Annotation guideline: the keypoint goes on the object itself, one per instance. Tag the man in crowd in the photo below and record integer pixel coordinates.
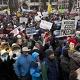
(22, 65)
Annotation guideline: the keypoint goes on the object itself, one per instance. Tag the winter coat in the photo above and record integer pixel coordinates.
(65, 64)
(44, 71)
(6, 70)
(34, 69)
(22, 65)
(65, 67)
(52, 69)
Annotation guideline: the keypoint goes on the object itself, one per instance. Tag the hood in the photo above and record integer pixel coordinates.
(35, 56)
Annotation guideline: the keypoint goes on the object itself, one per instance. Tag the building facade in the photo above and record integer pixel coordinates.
(63, 4)
(3, 3)
(37, 3)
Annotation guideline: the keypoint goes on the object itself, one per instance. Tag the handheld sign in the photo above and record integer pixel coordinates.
(68, 27)
(15, 31)
(23, 19)
(45, 24)
(31, 31)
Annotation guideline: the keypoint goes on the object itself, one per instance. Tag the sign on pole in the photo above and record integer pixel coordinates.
(68, 27)
(45, 24)
(23, 19)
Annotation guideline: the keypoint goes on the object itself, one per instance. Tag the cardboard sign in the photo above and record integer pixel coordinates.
(45, 24)
(68, 27)
(23, 19)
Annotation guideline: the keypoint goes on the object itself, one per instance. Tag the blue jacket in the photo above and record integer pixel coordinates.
(34, 70)
(22, 65)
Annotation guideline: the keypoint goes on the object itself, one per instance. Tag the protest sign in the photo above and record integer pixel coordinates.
(31, 31)
(45, 25)
(21, 28)
(23, 19)
(39, 13)
(15, 32)
(68, 27)
(44, 14)
(77, 17)
(37, 18)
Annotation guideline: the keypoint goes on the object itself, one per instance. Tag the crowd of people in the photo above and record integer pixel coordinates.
(38, 57)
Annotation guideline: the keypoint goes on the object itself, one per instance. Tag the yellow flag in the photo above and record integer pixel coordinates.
(49, 8)
(18, 14)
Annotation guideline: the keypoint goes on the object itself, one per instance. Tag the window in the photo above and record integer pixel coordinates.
(0, 1)
(5, 1)
(44, 0)
(34, 0)
(53, 0)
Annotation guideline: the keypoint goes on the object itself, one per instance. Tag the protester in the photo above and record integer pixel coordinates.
(35, 69)
(52, 66)
(22, 65)
(41, 54)
(65, 65)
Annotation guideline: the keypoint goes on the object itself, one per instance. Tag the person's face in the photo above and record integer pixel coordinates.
(19, 41)
(51, 56)
(25, 52)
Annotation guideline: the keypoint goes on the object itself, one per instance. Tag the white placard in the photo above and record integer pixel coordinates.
(23, 19)
(45, 24)
(39, 13)
(77, 17)
(37, 18)
(21, 28)
(68, 27)
(44, 14)
(15, 32)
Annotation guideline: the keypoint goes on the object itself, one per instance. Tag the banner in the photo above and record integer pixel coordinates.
(23, 19)
(45, 24)
(68, 27)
